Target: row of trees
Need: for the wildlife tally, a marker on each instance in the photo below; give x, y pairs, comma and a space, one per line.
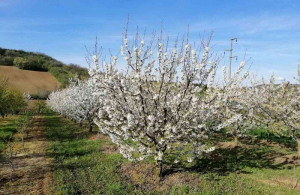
76, 102
168, 100
30, 63
11, 101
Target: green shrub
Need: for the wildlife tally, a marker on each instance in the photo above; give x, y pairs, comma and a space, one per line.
7, 61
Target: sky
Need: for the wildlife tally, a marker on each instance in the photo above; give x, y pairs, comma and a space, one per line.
268, 31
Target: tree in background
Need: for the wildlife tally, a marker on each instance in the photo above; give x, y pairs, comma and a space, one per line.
21, 63
276, 107
11, 102
76, 102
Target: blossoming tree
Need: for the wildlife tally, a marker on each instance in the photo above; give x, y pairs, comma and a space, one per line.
166, 101
277, 107
235, 109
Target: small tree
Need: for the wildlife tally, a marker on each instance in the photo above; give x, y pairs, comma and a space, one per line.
4, 106
40, 106
11, 102
10, 142
23, 123
17, 101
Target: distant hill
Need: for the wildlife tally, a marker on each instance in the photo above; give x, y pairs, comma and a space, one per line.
32, 82
42, 62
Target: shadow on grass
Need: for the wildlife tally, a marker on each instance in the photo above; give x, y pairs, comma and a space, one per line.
79, 166
60, 129
224, 161
263, 134
6, 133
69, 141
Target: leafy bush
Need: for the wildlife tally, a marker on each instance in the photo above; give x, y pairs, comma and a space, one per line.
7, 61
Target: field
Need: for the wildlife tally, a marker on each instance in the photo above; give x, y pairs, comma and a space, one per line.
150, 97
32, 82
60, 157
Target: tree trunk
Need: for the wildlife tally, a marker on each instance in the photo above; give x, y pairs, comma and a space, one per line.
268, 133
80, 124
11, 160
23, 142
91, 128
298, 141
160, 164
235, 141
11, 150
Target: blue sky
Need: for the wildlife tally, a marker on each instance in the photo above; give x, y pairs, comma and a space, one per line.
267, 30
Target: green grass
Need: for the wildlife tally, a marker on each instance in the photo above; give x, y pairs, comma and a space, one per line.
250, 169
79, 165
263, 134
7, 129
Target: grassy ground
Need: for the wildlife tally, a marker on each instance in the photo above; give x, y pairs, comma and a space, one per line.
62, 158
89, 164
7, 129
31, 166
80, 164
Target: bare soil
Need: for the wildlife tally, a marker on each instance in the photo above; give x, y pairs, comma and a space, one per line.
32, 171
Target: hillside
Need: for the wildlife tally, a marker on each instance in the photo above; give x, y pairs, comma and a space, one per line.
41, 62
27, 81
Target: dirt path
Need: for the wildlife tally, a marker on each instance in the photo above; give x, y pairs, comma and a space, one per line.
32, 174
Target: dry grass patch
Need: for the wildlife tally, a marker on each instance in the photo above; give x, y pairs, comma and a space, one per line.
109, 149
29, 81
32, 172
146, 177
283, 182
288, 159
99, 136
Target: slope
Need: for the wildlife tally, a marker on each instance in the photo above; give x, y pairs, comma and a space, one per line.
32, 82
